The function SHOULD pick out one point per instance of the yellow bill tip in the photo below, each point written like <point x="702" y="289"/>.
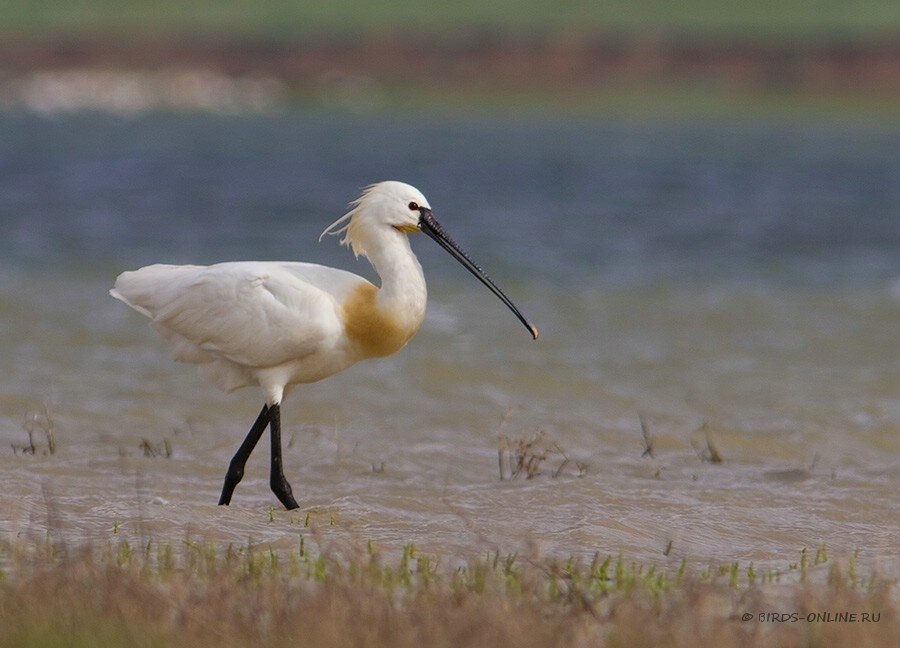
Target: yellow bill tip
<point x="534" y="331"/>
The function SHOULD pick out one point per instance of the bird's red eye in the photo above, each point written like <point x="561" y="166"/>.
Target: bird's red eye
<point x="414" y="206"/>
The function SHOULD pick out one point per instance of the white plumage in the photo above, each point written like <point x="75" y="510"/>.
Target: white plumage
<point x="239" y="320"/>
<point x="278" y="324"/>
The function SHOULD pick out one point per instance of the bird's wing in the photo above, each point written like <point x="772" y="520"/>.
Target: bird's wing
<point x="338" y="283"/>
<point x="254" y="314"/>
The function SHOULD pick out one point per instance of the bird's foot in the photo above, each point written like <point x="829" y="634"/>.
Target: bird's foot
<point x="284" y="494"/>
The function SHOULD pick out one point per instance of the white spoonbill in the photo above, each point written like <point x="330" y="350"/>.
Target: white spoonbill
<point x="276" y="325"/>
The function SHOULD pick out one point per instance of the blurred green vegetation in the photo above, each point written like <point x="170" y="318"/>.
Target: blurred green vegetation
<point x="287" y="20"/>
<point x="828" y="83"/>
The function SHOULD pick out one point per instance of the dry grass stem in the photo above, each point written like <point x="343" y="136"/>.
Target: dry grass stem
<point x="525" y="455"/>
<point x="648" y="438"/>
<point x="38" y="422"/>
<point x="708" y="454"/>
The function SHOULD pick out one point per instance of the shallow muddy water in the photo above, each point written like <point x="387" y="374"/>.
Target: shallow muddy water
<point x="737" y="285"/>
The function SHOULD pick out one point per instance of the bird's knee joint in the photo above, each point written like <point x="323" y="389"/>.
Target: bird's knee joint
<point x="280" y="485"/>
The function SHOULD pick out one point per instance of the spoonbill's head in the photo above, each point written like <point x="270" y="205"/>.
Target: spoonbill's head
<point x="381" y="208"/>
<point x="394" y="208"/>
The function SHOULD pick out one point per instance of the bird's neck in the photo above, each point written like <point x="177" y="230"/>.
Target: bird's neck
<point x="402" y="291"/>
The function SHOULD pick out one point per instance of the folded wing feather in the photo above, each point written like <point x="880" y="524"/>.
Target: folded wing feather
<point x="254" y="314"/>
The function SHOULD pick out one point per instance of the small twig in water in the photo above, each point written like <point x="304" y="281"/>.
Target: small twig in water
<point x="32" y="421"/>
<point x="815" y="460"/>
<point x="49" y="431"/>
<point x="525" y="456"/>
<point x="648" y="438"/>
<point x="710" y="453"/>
<point x="559" y="470"/>
<point x="714" y="456"/>
<point x="162" y="449"/>
<point x="503" y="443"/>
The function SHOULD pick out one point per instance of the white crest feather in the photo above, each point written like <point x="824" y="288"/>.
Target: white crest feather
<point x="331" y="231"/>
<point x="334" y="229"/>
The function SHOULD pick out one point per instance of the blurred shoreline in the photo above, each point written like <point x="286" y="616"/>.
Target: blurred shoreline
<point x="370" y="73"/>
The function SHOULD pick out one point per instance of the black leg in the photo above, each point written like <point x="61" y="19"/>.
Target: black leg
<point x="279" y="484"/>
<point x="236" y="467"/>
